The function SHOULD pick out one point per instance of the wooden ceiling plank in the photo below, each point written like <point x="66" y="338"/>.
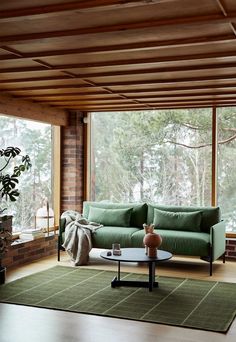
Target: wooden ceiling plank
<point x="141" y="89"/>
<point x="191" y="80"/>
<point x="48" y="87"/>
<point x="189" y="20"/>
<point x="34" y="79"/>
<point x="186" y="100"/>
<point x="185" y="42"/>
<point x="169" y="81"/>
<point x="191" y="95"/>
<point x="179" y="88"/>
<point x="45" y="11"/>
<point x="129" y="62"/>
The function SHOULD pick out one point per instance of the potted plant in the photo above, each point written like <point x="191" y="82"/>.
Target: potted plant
<point x="8" y="190"/>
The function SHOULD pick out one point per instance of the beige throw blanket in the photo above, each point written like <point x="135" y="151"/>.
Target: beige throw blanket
<point x="78" y="231"/>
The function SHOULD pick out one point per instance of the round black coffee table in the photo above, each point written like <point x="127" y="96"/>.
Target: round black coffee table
<point x="137" y="255"/>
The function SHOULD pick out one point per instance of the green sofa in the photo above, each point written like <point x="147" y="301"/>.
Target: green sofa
<point x="193" y="231"/>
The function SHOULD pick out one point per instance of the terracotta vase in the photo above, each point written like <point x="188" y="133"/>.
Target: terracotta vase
<point x="152" y="241"/>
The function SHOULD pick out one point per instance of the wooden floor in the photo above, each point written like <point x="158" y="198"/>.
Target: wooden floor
<point x="24" y="324"/>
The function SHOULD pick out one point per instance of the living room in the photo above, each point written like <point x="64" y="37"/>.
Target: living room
<point x="139" y="100"/>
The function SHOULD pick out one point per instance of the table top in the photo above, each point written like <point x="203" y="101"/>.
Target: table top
<point x="136" y="255"/>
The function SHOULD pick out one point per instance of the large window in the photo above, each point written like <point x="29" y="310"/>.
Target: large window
<point x="162" y="156"/>
<point x="35" y="186"/>
<point x="165" y="157"/>
<point x="227" y="165"/>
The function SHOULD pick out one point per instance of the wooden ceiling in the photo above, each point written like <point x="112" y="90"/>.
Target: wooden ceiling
<point x="113" y="55"/>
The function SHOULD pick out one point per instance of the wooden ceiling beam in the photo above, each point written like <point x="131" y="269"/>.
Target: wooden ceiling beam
<point x="187" y="100"/>
<point x="142" y="83"/>
<point x="35" y="79"/>
<point x="211" y="19"/>
<point x="141" y="46"/>
<point x="47" y="87"/>
<point x="169" y="81"/>
<point x="32" y="111"/>
<point x="45" y="11"/>
<point x="130" y="62"/>
<point x="151" y="104"/>
<point x="139" y="100"/>
<point x="94" y="97"/>
<point x="185" y="95"/>
<point x="124" y="91"/>
<point x="100" y="95"/>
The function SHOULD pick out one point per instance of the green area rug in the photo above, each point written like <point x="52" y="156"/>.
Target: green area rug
<point x="206" y="305"/>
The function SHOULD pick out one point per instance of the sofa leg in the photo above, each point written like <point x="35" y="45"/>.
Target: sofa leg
<point x="211" y="261"/>
<point x="224" y="258"/>
<point x="58" y="248"/>
<point x="211" y="267"/>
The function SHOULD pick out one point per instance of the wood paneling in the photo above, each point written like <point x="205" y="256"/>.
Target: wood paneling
<point x="68" y="49"/>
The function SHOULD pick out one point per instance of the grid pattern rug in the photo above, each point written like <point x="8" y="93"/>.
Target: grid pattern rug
<point x="206" y="305"/>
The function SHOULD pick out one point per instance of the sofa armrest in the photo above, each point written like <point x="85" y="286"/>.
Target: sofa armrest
<point x="217" y="239"/>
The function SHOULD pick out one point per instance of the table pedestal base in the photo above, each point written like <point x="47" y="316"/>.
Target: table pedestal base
<point x="150" y="284"/>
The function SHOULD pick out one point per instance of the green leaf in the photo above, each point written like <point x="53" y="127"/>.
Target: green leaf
<point x="11" y="151"/>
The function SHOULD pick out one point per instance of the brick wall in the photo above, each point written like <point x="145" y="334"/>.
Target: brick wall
<point x="24" y="252"/>
<point x="72" y="163"/>
<point x="231" y="248"/>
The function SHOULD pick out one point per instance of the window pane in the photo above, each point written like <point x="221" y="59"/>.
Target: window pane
<point x="34" y="139"/>
<point x="161" y="156"/>
<point x="227" y="166"/>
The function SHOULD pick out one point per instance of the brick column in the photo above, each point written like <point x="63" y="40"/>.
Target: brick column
<point x="72" y="163"/>
<point x="231" y="248"/>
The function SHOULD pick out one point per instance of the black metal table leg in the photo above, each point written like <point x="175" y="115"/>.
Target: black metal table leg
<point x="152" y="282"/>
<point x="149" y="284"/>
<point x="118" y="274"/>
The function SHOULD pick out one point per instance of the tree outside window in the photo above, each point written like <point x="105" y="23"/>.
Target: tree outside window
<point x="162" y="156"/>
<point x="34" y="139"/>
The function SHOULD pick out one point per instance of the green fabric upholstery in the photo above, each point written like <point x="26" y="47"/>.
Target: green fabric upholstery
<point x="188" y="221"/>
<point x="210" y="215"/>
<point x="110" y="217"/>
<point x="178" y="242"/>
<point x="217" y="238"/>
<point x="106" y="236"/>
<point x="208" y="242"/>
<point x="138" y="215"/>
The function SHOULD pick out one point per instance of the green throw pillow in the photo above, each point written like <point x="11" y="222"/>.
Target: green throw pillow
<point x="190" y="221"/>
<point x="110" y="217"/>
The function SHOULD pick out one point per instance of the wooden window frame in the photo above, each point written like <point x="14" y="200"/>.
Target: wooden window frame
<point x="214" y="167"/>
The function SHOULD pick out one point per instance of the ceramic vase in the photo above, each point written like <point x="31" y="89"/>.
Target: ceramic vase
<point x="152" y="241"/>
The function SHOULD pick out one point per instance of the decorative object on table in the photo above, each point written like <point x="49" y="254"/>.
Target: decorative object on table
<point x="151" y="240"/>
<point x="116" y="249"/>
<point x="44" y="218"/>
<point x="148" y="228"/>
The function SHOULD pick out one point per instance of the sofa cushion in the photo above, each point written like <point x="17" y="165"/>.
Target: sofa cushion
<point x="189" y="221"/>
<point x="178" y="242"/>
<point x="210" y="215"/>
<point x="110" y="217"/>
<point x="138" y="215"/>
<point x="104" y="237"/>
